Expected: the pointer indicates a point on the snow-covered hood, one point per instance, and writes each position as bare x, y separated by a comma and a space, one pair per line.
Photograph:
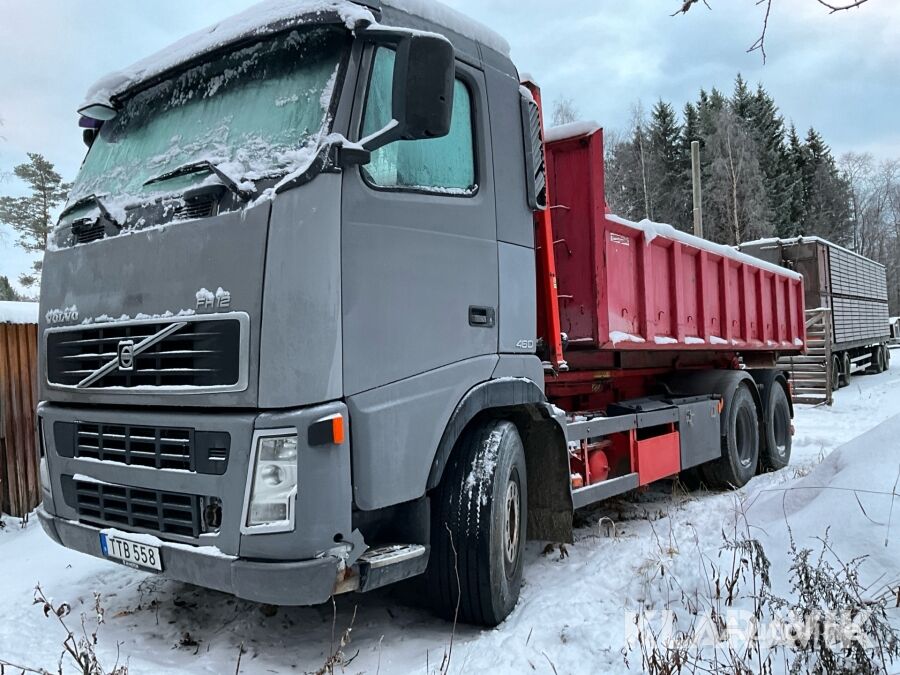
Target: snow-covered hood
268, 17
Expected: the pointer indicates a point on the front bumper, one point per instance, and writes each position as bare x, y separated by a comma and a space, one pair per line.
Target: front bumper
295, 567
306, 582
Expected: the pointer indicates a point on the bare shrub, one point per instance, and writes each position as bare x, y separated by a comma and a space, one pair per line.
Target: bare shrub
81, 650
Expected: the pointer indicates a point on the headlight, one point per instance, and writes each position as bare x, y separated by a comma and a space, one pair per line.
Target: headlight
274, 483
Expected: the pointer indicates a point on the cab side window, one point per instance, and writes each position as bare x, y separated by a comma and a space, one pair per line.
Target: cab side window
440, 165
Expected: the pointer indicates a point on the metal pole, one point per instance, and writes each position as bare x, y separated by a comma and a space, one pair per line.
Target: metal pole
698, 190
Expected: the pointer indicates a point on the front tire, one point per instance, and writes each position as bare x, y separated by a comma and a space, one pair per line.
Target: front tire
480, 510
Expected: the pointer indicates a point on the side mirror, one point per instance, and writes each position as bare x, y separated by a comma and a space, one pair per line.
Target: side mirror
424, 80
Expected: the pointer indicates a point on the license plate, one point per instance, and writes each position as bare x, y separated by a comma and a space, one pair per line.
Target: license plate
132, 553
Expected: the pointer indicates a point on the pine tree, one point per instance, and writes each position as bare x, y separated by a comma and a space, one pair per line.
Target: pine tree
742, 100
7, 292
669, 193
796, 161
32, 217
768, 126
826, 193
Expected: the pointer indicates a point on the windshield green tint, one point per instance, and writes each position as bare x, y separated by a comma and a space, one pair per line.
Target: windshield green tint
255, 112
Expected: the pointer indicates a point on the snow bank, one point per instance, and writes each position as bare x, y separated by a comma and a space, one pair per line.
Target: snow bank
653, 230
268, 17
573, 130
18, 312
852, 493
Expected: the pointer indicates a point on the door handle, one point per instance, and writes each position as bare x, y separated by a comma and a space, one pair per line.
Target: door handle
482, 317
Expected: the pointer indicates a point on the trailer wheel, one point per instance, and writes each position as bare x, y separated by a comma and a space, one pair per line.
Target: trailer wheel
777, 451
478, 521
846, 365
740, 445
835, 373
876, 367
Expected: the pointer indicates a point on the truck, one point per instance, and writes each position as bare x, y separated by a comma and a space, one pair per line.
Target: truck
854, 290
328, 310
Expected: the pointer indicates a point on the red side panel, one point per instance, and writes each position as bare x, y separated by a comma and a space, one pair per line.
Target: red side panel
640, 287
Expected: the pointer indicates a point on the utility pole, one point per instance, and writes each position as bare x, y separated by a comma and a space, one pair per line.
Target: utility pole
698, 190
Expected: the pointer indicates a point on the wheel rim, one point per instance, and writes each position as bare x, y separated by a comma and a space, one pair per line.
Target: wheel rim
511, 521
743, 436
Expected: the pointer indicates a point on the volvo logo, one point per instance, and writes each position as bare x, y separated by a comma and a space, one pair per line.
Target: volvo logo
126, 355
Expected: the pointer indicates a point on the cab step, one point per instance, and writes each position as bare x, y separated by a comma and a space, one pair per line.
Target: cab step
388, 564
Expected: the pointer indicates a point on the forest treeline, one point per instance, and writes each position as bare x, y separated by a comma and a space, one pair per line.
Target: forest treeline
762, 177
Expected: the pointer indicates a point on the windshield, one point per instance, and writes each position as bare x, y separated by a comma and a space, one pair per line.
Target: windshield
256, 112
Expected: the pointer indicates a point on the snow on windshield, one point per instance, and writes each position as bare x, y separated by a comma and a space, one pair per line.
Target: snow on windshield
254, 112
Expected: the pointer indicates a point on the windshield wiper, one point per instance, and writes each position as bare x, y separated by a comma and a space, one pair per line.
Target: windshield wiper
205, 165
91, 199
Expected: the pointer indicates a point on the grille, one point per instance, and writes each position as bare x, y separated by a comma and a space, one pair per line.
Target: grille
195, 354
200, 207
137, 446
86, 231
204, 452
153, 510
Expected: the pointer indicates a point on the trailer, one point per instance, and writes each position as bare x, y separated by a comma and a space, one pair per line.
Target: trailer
854, 290
428, 340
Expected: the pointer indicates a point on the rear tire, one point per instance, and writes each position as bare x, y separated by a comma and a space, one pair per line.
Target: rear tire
876, 366
776, 453
846, 365
740, 445
480, 509
835, 373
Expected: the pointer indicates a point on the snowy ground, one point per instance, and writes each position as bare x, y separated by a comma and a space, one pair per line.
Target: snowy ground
573, 613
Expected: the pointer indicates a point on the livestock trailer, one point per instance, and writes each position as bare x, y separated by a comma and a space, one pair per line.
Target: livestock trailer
852, 286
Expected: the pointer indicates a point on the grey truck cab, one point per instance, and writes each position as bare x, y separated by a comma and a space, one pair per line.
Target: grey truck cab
288, 314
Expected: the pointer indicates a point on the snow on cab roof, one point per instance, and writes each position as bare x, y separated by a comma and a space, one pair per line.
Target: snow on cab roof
18, 312
269, 16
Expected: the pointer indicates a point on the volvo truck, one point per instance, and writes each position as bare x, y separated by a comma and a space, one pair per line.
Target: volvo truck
327, 310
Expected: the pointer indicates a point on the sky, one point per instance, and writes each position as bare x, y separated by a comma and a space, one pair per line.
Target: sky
838, 73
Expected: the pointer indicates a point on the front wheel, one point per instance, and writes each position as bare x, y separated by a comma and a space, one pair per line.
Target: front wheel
478, 531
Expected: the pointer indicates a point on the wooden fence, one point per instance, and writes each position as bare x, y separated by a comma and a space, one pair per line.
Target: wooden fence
811, 373
20, 489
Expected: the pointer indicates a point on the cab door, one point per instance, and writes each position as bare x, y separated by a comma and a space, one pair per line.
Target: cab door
419, 240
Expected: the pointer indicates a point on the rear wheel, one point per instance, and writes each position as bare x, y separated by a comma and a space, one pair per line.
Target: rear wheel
876, 365
740, 445
835, 373
776, 453
478, 527
846, 376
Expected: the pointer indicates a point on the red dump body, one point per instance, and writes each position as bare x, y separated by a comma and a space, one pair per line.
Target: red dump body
647, 287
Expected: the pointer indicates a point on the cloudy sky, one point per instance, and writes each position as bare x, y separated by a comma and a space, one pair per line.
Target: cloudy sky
838, 73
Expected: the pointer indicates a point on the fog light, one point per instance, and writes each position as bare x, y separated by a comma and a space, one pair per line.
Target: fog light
273, 484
